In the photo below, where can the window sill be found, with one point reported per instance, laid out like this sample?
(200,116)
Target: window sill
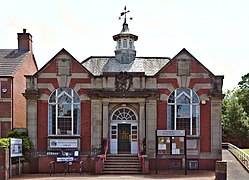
(63,136)
(193,136)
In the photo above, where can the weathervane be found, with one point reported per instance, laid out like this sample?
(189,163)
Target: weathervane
(124,14)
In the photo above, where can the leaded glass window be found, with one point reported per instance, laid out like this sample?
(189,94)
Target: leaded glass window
(184,111)
(64,112)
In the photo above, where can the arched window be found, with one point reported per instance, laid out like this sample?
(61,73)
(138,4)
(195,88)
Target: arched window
(124,114)
(184,111)
(64,112)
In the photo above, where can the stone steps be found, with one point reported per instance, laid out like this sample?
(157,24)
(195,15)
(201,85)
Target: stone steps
(122,164)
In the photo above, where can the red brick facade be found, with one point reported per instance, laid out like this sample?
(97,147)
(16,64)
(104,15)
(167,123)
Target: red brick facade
(13,84)
(168,79)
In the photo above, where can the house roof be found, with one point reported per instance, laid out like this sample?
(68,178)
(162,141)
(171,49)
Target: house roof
(98,65)
(10,60)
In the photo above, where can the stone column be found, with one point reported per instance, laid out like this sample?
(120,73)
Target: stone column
(105,119)
(32,121)
(216,129)
(141,123)
(151,126)
(96,123)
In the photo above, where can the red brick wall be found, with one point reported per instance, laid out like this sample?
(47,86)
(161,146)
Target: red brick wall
(4,163)
(170,67)
(86,126)
(170,164)
(50,68)
(205,129)
(5,128)
(42,125)
(5,109)
(28,67)
(78,68)
(207,164)
(43,165)
(53,81)
(161,115)
(6,85)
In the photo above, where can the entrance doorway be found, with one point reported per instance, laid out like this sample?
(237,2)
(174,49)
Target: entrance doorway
(124,132)
(124,143)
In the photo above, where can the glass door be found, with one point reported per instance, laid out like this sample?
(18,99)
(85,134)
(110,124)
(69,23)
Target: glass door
(124,140)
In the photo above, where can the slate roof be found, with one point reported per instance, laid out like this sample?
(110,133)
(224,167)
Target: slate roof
(149,65)
(10,60)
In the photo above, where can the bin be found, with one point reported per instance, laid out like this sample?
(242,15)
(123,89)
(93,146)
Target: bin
(221,170)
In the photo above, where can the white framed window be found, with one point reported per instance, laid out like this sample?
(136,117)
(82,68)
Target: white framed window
(119,44)
(125,43)
(184,111)
(64,112)
(130,44)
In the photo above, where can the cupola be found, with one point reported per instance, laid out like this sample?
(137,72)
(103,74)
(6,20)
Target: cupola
(125,51)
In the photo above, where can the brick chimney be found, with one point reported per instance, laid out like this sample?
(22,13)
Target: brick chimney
(24,41)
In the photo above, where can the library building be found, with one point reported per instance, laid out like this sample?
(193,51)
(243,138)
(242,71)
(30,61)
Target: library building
(123,113)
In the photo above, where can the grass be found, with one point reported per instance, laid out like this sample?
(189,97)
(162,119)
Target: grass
(246,151)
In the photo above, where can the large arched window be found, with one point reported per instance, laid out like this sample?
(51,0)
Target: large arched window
(184,111)
(64,112)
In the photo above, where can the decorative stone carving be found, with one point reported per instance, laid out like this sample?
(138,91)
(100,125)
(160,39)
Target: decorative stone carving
(63,66)
(123,81)
(183,67)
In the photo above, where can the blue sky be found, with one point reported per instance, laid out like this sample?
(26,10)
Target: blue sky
(216,32)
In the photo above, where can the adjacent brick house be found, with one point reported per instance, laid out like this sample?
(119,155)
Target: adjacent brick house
(124,99)
(14,65)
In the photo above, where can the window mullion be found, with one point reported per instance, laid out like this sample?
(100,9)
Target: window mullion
(191,114)
(175,105)
(56,112)
(72,115)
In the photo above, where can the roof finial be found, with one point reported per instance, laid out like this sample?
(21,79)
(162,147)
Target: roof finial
(124,13)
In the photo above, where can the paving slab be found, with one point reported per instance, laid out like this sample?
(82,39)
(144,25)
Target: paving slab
(200,175)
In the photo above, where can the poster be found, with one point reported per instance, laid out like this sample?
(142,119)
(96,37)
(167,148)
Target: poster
(15,147)
(161,146)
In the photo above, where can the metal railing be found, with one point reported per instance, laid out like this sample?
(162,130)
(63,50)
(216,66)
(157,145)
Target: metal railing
(239,154)
(141,157)
(66,167)
(51,167)
(103,157)
(81,167)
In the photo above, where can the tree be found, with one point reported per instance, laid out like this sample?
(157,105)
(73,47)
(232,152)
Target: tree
(243,92)
(235,121)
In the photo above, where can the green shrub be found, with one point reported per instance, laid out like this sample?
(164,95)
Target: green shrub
(4,142)
(27,145)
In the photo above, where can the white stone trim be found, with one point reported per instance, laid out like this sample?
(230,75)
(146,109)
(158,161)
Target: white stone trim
(46,86)
(73,75)
(5,120)
(165,86)
(201,86)
(79,86)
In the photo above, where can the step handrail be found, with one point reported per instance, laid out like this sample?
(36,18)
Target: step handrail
(102,158)
(140,156)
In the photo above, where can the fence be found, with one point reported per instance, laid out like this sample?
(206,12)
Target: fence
(239,154)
